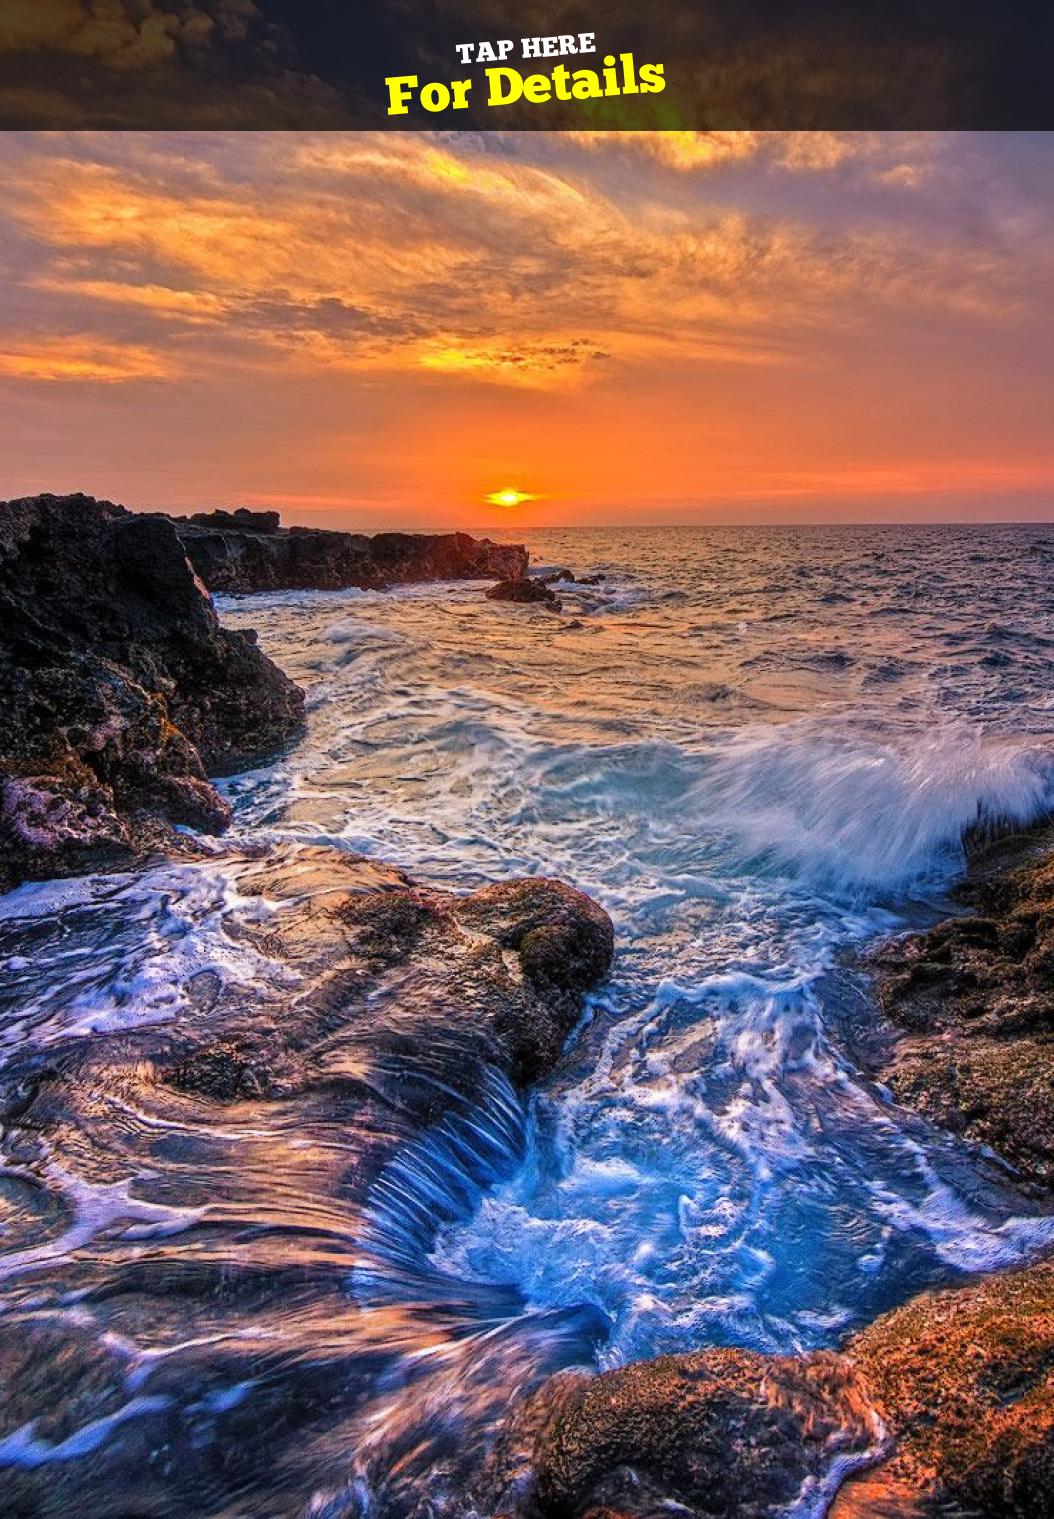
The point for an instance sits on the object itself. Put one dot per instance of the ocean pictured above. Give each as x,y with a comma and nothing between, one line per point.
761,750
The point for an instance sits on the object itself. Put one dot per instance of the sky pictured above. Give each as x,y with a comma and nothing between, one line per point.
382,330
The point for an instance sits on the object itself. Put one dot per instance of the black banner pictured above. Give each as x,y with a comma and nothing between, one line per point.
485,65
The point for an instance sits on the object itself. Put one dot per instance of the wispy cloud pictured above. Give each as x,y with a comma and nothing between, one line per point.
85,360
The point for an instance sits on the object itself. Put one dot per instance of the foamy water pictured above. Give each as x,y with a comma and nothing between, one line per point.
760,750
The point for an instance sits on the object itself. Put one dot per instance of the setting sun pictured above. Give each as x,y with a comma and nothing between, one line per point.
509,497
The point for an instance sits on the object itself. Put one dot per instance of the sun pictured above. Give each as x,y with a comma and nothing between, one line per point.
507,496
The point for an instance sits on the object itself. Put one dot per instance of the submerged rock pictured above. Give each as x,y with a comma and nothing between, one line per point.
242,1202
119,690
241,551
971,1003
527,592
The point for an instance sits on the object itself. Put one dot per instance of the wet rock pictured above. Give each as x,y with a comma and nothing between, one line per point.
530,592
721,1432
240,552
119,690
964,1383
564,942
942,1407
219,1071
251,1192
971,1006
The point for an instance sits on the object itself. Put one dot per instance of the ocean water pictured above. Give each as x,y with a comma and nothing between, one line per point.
759,749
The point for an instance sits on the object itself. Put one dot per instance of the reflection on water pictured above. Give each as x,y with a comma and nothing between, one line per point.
758,750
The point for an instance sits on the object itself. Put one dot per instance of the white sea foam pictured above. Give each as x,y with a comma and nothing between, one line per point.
849,810
124,951
705,1168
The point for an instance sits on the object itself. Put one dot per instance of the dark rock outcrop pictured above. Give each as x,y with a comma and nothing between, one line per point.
119,690
241,551
242,519
568,577
265,1131
971,1003
527,592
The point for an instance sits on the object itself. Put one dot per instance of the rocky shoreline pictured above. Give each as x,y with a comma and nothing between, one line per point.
120,693
398,1008
241,552
970,1005
942,1407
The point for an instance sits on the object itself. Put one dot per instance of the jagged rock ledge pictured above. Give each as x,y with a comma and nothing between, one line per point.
970,1010
119,690
243,551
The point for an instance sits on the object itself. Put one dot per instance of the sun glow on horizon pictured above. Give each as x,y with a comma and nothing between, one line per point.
507,496
656,328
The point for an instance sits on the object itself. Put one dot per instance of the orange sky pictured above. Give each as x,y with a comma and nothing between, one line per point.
382,330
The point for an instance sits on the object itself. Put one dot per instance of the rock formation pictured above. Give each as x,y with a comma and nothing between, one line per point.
526,592
265,1131
243,551
717,1433
971,1004
119,690
963,1381
944,1407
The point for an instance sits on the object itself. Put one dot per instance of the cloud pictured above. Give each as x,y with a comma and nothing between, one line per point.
426,316
83,359
902,157
143,63
271,64
538,363
509,262
122,34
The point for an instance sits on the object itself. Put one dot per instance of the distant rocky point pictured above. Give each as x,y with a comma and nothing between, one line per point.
241,551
